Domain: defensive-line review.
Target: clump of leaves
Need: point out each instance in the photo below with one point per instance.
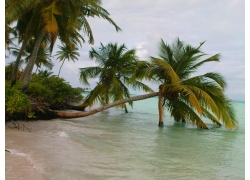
(48, 91)
(53, 92)
(15, 100)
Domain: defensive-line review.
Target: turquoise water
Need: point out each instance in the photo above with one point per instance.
(131, 146)
(115, 145)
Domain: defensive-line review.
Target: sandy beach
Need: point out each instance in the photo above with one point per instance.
(19, 163)
(29, 152)
(20, 166)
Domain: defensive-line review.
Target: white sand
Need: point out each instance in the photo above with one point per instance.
(18, 163)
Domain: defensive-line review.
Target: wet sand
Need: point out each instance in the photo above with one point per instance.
(39, 154)
(19, 162)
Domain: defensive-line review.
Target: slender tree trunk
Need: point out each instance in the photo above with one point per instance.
(58, 114)
(28, 70)
(15, 70)
(126, 110)
(160, 108)
(61, 67)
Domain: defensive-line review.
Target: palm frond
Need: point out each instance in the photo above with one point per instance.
(89, 72)
(185, 91)
(163, 70)
(214, 58)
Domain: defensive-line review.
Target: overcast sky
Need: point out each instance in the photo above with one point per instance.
(144, 22)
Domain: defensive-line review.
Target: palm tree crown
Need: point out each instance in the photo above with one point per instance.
(117, 64)
(67, 52)
(186, 97)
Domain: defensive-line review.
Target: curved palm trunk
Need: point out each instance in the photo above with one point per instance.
(28, 70)
(15, 70)
(160, 109)
(58, 114)
(61, 67)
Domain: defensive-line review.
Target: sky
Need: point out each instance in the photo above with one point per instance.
(145, 22)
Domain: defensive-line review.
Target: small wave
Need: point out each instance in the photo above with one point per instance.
(63, 134)
(28, 157)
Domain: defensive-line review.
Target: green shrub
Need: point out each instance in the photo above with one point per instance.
(15, 100)
(53, 91)
(39, 94)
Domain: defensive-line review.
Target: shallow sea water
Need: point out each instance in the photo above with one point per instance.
(114, 145)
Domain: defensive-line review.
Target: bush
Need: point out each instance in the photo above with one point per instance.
(53, 91)
(15, 100)
(39, 94)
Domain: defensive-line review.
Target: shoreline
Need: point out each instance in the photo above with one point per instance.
(45, 152)
(19, 163)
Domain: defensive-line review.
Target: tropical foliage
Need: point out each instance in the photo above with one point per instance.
(66, 52)
(43, 55)
(9, 69)
(186, 96)
(38, 24)
(116, 66)
(45, 90)
(15, 100)
(52, 92)
(47, 20)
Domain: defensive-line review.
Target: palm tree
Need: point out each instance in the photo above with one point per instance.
(43, 54)
(116, 65)
(55, 18)
(190, 98)
(21, 13)
(185, 97)
(67, 52)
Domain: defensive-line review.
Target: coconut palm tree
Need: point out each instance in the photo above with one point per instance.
(67, 52)
(186, 97)
(55, 18)
(23, 33)
(43, 54)
(116, 65)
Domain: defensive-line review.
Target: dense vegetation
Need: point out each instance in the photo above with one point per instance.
(36, 25)
(51, 92)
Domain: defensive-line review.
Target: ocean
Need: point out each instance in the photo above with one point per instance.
(114, 145)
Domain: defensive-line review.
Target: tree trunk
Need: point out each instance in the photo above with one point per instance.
(28, 70)
(61, 67)
(160, 108)
(126, 110)
(15, 70)
(58, 114)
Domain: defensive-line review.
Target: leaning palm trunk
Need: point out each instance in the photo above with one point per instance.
(160, 108)
(58, 114)
(15, 70)
(26, 76)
